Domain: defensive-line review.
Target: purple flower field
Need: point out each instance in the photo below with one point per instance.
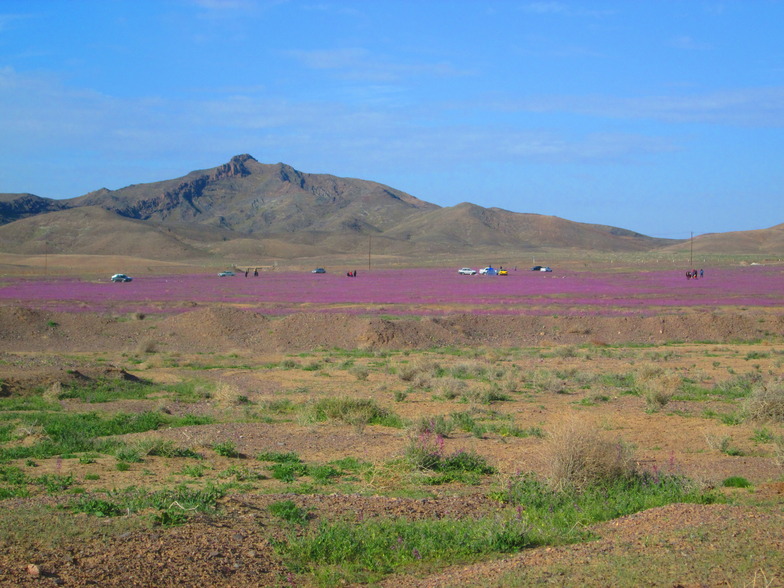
(411, 292)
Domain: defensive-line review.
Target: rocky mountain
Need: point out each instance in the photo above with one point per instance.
(18, 206)
(247, 209)
(249, 197)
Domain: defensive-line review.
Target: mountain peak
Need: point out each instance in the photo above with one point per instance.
(235, 167)
(240, 159)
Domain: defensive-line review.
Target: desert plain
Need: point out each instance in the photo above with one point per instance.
(407, 427)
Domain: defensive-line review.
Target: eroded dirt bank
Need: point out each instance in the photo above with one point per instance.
(224, 329)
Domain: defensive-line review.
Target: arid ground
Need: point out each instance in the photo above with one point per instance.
(245, 432)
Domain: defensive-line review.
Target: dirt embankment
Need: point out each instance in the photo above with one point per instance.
(222, 329)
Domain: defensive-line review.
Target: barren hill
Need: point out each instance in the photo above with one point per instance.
(470, 225)
(764, 241)
(90, 230)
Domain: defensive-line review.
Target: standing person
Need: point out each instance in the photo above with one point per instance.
(256, 272)
(701, 273)
(246, 273)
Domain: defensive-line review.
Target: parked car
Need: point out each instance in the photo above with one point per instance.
(226, 274)
(121, 278)
(319, 270)
(541, 268)
(545, 269)
(466, 271)
(536, 268)
(503, 273)
(488, 271)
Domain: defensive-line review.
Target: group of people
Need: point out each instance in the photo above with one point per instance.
(352, 274)
(255, 272)
(694, 274)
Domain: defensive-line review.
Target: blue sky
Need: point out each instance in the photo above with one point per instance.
(663, 117)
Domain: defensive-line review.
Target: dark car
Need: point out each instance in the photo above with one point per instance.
(121, 278)
(319, 270)
(536, 268)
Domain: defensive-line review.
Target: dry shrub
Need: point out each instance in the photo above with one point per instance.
(52, 393)
(657, 386)
(565, 351)
(360, 373)
(146, 346)
(450, 388)
(578, 457)
(547, 381)
(421, 382)
(766, 403)
(778, 451)
(468, 369)
(406, 372)
(510, 382)
(226, 395)
(421, 368)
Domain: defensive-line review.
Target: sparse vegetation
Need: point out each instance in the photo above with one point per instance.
(408, 449)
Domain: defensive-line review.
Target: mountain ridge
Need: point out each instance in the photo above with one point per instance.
(247, 208)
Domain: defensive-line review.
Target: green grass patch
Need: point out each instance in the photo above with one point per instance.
(561, 516)
(66, 433)
(352, 411)
(168, 506)
(736, 482)
(337, 553)
(289, 512)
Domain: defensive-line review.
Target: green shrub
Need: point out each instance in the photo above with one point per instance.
(736, 482)
(352, 411)
(739, 386)
(426, 452)
(434, 425)
(226, 449)
(288, 471)
(278, 457)
(54, 483)
(289, 512)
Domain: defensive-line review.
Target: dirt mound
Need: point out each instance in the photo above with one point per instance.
(221, 329)
(224, 327)
(24, 374)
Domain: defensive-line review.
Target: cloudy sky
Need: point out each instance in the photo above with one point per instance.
(664, 117)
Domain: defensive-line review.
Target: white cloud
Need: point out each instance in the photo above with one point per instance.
(563, 9)
(742, 107)
(688, 43)
(356, 63)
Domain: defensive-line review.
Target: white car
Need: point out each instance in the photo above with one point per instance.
(488, 271)
(466, 271)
